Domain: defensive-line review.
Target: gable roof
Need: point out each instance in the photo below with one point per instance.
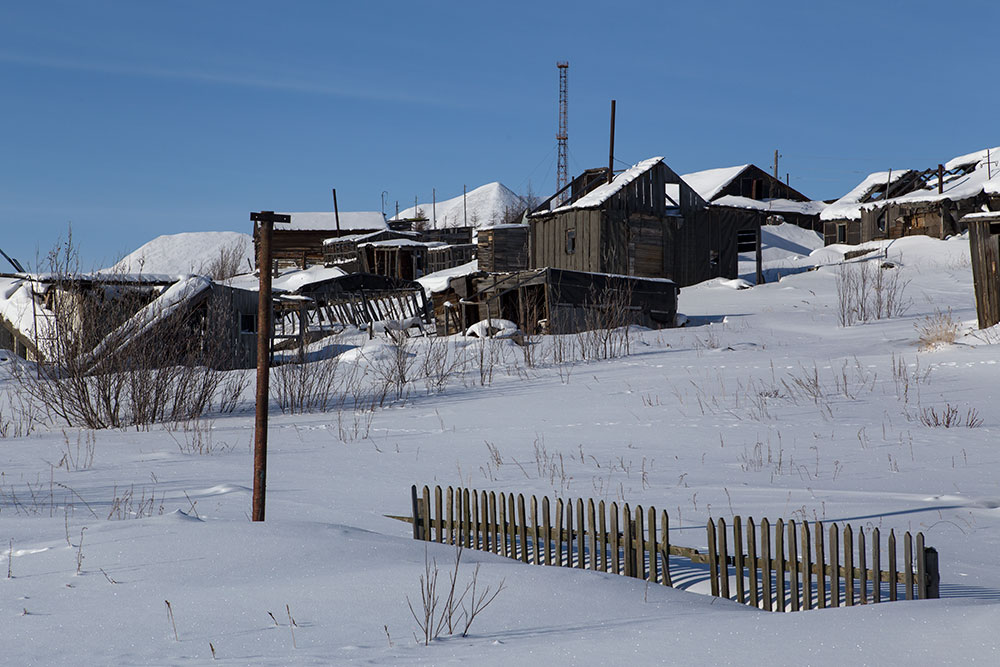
(710, 182)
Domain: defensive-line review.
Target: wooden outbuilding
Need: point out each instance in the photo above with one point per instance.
(984, 246)
(504, 248)
(300, 243)
(645, 222)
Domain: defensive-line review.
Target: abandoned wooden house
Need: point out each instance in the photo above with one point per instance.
(300, 243)
(750, 187)
(407, 259)
(504, 248)
(645, 222)
(449, 235)
(984, 246)
(73, 319)
(932, 202)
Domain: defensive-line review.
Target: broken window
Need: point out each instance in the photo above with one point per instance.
(248, 323)
(841, 233)
(570, 241)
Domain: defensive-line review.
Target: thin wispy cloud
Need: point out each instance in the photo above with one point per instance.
(215, 78)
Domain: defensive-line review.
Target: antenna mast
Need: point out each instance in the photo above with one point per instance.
(562, 172)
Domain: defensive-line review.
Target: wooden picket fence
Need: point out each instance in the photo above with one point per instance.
(789, 566)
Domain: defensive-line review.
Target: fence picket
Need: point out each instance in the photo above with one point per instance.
(466, 520)
(581, 542)
(807, 573)
(741, 590)
(592, 524)
(628, 530)
(862, 566)
(416, 512)
(779, 555)
(893, 573)
(723, 558)
(921, 568)
(614, 535)
(639, 545)
(522, 526)
(908, 571)
(451, 515)
(765, 557)
(793, 561)
(536, 532)
(602, 564)
(474, 528)
(425, 527)
(546, 532)
(876, 566)
(820, 567)
(438, 514)
(485, 525)
(651, 544)
(752, 561)
(502, 543)
(665, 547)
(849, 566)
(713, 557)
(561, 509)
(834, 566)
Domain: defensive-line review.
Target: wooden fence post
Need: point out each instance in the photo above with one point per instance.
(932, 578)
(820, 567)
(581, 547)
(614, 535)
(602, 563)
(485, 526)
(893, 572)
(546, 531)
(665, 547)
(438, 514)
(752, 561)
(425, 524)
(639, 545)
(765, 556)
(849, 565)
(558, 546)
(713, 557)
(415, 511)
(876, 566)
(779, 555)
(908, 557)
(592, 522)
(807, 567)
(651, 546)
(450, 506)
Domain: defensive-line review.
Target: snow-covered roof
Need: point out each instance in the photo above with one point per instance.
(327, 221)
(439, 280)
(710, 182)
(357, 238)
(402, 243)
(289, 281)
(848, 207)
(982, 178)
(602, 193)
(775, 205)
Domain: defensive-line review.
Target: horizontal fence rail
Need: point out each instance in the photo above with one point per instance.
(785, 566)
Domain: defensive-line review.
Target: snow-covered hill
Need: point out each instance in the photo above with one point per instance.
(189, 252)
(489, 204)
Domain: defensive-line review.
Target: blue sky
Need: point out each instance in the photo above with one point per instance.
(129, 120)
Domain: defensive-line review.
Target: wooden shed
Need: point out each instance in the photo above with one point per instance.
(342, 251)
(300, 243)
(984, 246)
(504, 248)
(646, 222)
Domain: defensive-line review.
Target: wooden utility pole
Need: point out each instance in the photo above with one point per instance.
(775, 164)
(266, 220)
(940, 179)
(434, 214)
(611, 147)
(465, 209)
(336, 212)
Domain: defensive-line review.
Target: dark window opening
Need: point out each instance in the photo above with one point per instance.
(248, 323)
(841, 233)
(570, 241)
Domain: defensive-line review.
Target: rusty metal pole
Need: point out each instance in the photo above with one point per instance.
(336, 211)
(611, 148)
(266, 220)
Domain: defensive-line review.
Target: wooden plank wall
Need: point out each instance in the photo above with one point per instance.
(786, 566)
(984, 247)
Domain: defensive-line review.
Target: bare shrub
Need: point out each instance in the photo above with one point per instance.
(228, 263)
(868, 291)
(305, 386)
(607, 321)
(395, 370)
(950, 417)
(440, 361)
(937, 329)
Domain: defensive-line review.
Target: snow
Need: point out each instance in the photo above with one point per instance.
(440, 280)
(602, 193)
(673, 425)
(710, 182)
(848, 207)
(327, 221)
(773, 205)
(403, 243)
(488, 204)
(181, 254)
(289, 280)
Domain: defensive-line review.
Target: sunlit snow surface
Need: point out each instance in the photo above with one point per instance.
(676, 424)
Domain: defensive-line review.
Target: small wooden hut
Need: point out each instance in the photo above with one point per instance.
(984, 246)
(504, 248)
(300, 243)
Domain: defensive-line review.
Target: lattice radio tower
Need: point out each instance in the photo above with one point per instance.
(562, 171)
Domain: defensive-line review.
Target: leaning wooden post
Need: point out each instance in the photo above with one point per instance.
(932, 578)
(415, 511)
(265, 230)
(713, 557)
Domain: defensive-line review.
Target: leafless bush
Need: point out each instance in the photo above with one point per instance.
(307, 386)
(950, 417)
(228, 263)
(607, 323)
(197, 438)
(80, 456)
(110, 356)
(937, 329)
(440, 361)
(395, 370)
(869, 291)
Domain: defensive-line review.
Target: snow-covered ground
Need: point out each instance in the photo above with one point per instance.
(676, 424)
